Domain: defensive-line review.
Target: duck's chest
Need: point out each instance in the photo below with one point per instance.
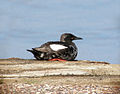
(73, 50)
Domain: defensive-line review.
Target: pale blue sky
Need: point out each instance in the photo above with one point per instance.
(28, 23)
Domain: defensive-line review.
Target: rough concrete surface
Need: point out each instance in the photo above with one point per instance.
(82, 72)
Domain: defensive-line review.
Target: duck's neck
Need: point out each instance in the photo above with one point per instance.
(68, 42)
(63, 40)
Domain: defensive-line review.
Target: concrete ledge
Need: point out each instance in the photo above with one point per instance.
(18, 68)
(15, 74)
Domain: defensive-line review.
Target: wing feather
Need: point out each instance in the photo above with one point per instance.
(56, 47)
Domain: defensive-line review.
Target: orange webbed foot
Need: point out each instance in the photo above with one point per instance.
(56, 59)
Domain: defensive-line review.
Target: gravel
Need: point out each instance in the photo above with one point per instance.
(20, 88)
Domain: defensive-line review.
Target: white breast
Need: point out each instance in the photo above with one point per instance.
(57, 47)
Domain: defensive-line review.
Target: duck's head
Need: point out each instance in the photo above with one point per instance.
(68, 37)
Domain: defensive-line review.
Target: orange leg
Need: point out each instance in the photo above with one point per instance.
(56, 59)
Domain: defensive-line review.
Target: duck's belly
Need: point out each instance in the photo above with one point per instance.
(68, 54)
(64, 55)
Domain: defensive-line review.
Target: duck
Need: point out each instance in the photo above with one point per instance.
(63, 50)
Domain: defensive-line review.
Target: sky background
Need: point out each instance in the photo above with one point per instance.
(29, 23)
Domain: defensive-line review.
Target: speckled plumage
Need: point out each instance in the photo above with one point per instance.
(66, 50)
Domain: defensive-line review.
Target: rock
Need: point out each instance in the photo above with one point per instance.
(56, 76)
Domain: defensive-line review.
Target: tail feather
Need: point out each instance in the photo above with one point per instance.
(39, 55)
(30, 50)
(35, 53)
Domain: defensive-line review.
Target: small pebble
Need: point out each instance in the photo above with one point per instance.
(57, 89)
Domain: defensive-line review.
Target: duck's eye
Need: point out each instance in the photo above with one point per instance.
(72, 38)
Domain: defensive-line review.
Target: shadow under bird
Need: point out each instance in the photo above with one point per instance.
(62, 50)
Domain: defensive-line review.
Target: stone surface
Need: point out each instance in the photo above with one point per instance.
(10, 68)
(37, 77)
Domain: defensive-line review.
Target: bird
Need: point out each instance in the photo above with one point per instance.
(63, 50)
